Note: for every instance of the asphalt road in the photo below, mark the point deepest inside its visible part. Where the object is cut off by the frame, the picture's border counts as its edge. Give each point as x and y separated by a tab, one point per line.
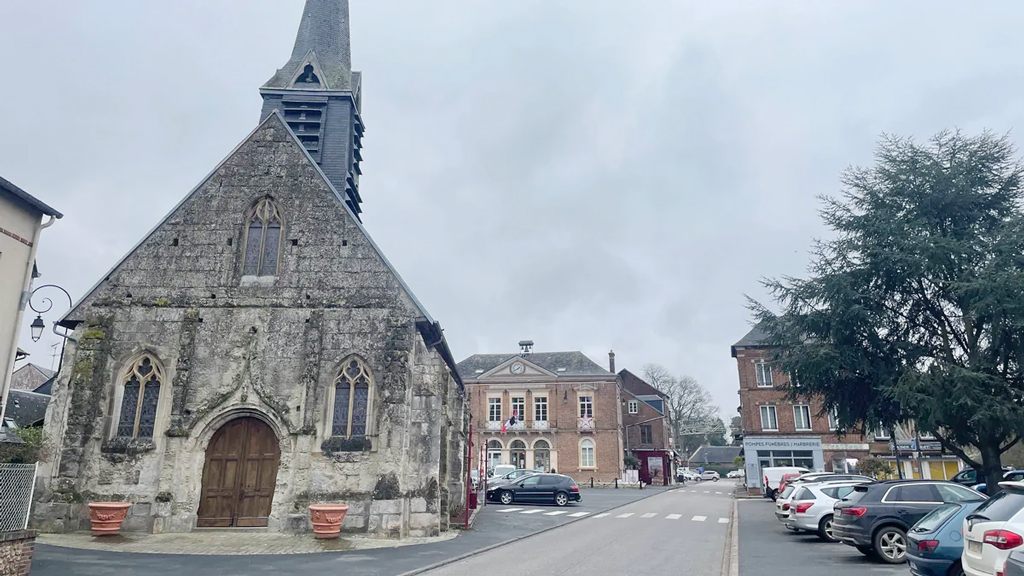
682	531
766	547
491	527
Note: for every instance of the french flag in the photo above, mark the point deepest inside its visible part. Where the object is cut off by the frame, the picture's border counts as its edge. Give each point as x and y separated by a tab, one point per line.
509	423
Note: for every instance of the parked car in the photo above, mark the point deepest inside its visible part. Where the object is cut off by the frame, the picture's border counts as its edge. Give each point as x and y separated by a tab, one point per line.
710	475
787	479
935	544
810	506
1011	476
499	470
782	503
772	478
972	477
735	474
538	488
511	476
830	477
685	475
994	530
875	517
1014	565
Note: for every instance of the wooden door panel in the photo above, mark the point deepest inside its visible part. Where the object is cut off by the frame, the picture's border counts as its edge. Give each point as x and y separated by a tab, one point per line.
240	475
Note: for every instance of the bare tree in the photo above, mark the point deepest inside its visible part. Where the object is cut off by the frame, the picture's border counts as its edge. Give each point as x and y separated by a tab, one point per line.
689	405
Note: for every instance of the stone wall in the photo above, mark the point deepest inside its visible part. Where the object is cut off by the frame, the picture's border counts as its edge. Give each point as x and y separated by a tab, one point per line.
269	348
16	550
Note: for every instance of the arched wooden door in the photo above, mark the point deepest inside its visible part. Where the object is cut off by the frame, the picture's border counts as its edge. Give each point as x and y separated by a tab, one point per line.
239	475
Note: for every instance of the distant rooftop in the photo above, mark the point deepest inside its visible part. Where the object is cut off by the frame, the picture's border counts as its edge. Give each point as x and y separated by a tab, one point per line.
561	363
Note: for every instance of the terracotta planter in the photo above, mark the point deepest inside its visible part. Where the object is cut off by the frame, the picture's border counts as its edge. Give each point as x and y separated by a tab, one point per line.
327	519
107	517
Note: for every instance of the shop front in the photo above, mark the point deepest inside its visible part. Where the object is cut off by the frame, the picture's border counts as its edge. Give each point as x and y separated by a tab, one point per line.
770	452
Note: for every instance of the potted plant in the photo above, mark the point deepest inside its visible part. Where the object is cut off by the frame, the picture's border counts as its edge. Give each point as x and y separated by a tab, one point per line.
327	518
106	517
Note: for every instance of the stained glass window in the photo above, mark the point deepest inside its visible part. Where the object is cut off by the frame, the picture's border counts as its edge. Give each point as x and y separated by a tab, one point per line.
263	240
351	401
139	399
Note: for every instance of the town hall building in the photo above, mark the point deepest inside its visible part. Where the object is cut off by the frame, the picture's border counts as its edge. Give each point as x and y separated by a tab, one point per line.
256	352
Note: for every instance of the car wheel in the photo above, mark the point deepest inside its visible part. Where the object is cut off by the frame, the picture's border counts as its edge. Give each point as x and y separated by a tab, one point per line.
891	545
955	570
825	529
716	479
866	550
506	497
773	495
561	498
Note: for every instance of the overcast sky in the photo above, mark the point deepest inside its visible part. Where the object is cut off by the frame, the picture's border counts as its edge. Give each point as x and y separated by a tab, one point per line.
592	175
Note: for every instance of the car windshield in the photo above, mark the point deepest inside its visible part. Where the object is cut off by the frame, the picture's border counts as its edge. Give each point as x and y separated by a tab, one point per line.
936	518
787	491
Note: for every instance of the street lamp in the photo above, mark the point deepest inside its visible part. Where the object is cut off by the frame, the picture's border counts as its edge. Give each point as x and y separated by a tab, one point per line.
37	328
45	306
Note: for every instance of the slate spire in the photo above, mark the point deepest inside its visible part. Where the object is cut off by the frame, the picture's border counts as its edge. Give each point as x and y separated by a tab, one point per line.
319	96
323	42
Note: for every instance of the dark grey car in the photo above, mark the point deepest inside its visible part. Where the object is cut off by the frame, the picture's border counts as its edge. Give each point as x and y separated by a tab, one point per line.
875	517
1015	564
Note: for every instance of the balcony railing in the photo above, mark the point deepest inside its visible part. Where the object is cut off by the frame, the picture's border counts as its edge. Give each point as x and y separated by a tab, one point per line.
586	423
492	425
539	424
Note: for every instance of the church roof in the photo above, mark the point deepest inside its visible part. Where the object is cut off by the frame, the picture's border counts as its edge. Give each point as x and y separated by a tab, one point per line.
561	363
22	197
30	377
323	39
26	408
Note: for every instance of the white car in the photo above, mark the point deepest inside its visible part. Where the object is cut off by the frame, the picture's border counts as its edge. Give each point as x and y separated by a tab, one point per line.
993	531
810	506
735	474
782	503
710	475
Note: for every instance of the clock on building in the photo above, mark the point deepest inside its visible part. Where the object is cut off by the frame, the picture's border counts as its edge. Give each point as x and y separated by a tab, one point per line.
518	368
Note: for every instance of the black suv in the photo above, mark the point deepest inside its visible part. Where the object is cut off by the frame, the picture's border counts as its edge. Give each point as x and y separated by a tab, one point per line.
875	517
538	488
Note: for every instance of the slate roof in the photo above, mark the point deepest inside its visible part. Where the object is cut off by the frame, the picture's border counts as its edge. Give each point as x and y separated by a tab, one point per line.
324	31
30	376
755	338
26	408
11	190
716	454
575	363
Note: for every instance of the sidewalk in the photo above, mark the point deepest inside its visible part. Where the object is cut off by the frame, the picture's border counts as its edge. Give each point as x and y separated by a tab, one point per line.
228	543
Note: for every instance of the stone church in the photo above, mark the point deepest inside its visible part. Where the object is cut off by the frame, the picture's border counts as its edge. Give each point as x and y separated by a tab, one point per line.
256	352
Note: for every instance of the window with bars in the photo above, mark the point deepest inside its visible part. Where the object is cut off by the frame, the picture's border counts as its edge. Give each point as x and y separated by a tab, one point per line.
586	406
262	240
764	374
139	399
768	418
351	400
494	409
802	417
540	408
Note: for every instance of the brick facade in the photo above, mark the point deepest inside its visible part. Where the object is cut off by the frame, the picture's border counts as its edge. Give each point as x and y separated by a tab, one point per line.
565	432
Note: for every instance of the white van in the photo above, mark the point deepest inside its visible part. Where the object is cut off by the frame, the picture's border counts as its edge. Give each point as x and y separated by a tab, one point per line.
772	477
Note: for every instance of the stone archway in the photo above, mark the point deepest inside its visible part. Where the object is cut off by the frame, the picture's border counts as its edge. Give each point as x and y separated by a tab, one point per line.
240	475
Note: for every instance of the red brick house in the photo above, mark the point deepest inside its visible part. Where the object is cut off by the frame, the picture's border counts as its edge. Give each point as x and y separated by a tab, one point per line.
566	407
779	432
647	428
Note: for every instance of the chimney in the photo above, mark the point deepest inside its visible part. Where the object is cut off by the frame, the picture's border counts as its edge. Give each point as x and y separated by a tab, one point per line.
525	347
611	361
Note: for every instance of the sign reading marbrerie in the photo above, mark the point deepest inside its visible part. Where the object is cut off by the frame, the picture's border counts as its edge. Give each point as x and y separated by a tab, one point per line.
782	443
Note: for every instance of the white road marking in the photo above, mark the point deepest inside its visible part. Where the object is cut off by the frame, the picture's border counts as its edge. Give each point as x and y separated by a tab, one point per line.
698	518
510	510
531	511
717	492
674	516
692	490
707	491
602	515
626	515
555	513
578	514
723	520
649	515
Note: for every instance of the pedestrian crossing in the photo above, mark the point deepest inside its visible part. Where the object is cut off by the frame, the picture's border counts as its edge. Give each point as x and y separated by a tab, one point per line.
624	515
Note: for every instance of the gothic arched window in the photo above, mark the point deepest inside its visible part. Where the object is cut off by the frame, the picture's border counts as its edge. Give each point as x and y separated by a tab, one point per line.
262	240
141	382
351	400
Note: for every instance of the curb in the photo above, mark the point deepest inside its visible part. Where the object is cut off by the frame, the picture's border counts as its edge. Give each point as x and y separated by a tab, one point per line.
496	545
734	552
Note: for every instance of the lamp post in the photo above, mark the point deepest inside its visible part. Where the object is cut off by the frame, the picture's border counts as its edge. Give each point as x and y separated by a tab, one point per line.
38	324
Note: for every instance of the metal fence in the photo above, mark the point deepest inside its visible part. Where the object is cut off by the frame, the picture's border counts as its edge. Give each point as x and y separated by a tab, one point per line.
17	483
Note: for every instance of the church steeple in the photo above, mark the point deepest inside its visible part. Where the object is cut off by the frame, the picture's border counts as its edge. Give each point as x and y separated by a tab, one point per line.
319	95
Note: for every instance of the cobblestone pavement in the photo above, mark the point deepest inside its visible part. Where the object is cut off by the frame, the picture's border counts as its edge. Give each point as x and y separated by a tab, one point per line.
232	543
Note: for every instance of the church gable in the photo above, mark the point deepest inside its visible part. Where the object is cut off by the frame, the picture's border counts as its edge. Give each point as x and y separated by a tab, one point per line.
264	228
